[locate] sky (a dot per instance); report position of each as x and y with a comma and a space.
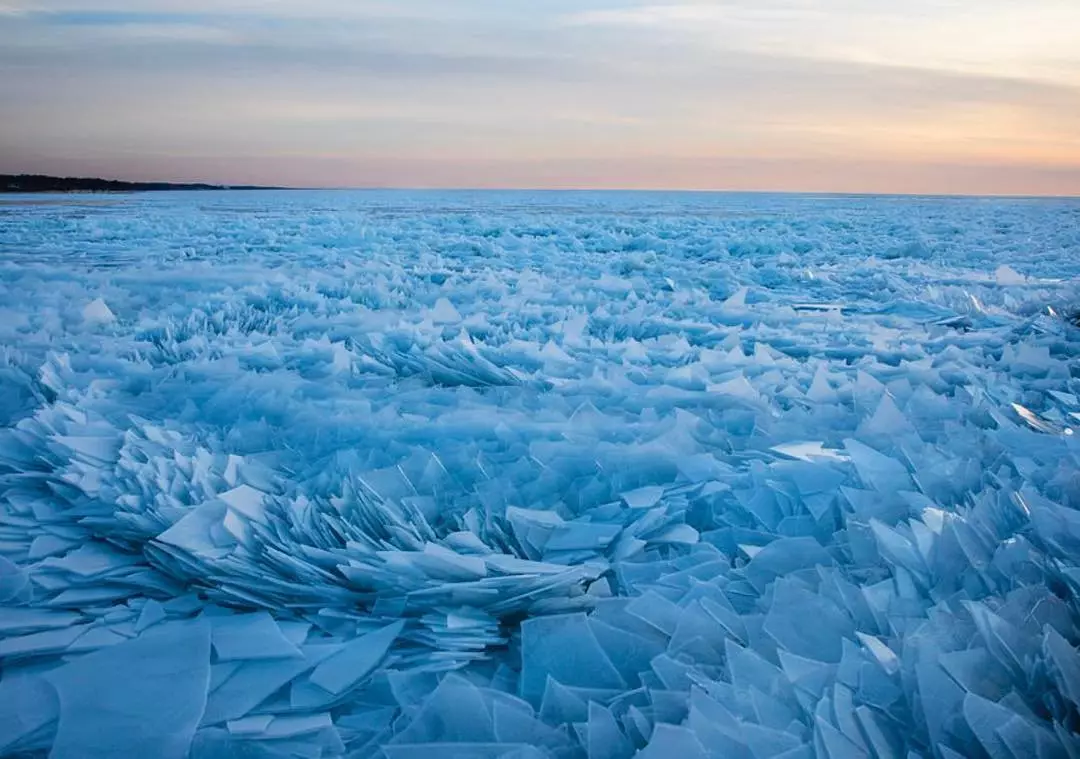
924, 96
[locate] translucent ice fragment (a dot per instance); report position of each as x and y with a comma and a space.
767, 742
578, 536
560, 705
96, 449
456, 712
820, 390
1032, 420
151, 614
606, 740
784, 556
985, 718
27, 704
254, 725
565, 648
655, 610
876, 470
250, 636
836, 744
809, 451
252, 682
807, 674
787, 623
642, 498
154, 712
896, 548
887, 421
882, 653
292, 725
356, 660
669, 741
199, 531
14, 583
738, 387
1066, 662
246, 500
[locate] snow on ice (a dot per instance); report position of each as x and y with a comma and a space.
539, 475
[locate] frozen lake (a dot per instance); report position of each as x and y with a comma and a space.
510, 474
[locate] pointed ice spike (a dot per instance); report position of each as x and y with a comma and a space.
606, 740
737, 300
886, 423
560, 705
984, 718
98, 312
443, 312
1066, 663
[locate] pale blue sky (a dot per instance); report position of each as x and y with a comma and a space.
843, 95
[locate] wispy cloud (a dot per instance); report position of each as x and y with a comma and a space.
1031, 40
597, 83
114, 18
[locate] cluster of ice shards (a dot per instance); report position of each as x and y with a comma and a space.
567, 475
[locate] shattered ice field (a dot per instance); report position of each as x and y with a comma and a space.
539, 475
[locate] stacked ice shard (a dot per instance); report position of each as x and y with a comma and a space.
506, 475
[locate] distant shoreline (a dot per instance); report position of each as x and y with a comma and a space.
11, 184
41, 183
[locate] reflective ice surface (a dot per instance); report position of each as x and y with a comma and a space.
526, 475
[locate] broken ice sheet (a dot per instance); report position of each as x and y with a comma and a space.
880, 472
563, 648
642, 498
493, 418
356, 659
250, 636
143, 697
808, 451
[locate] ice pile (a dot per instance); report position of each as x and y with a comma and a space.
564, 475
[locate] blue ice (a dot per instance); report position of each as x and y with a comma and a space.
539, 475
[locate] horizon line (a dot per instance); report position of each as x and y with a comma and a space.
247, 186
684, 190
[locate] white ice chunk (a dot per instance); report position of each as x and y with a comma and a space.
443, 312
887, 422
98, 312
809, 451
246, 500
642, 498
737, 301
1005, 275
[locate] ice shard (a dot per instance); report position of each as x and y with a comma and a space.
539, 475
